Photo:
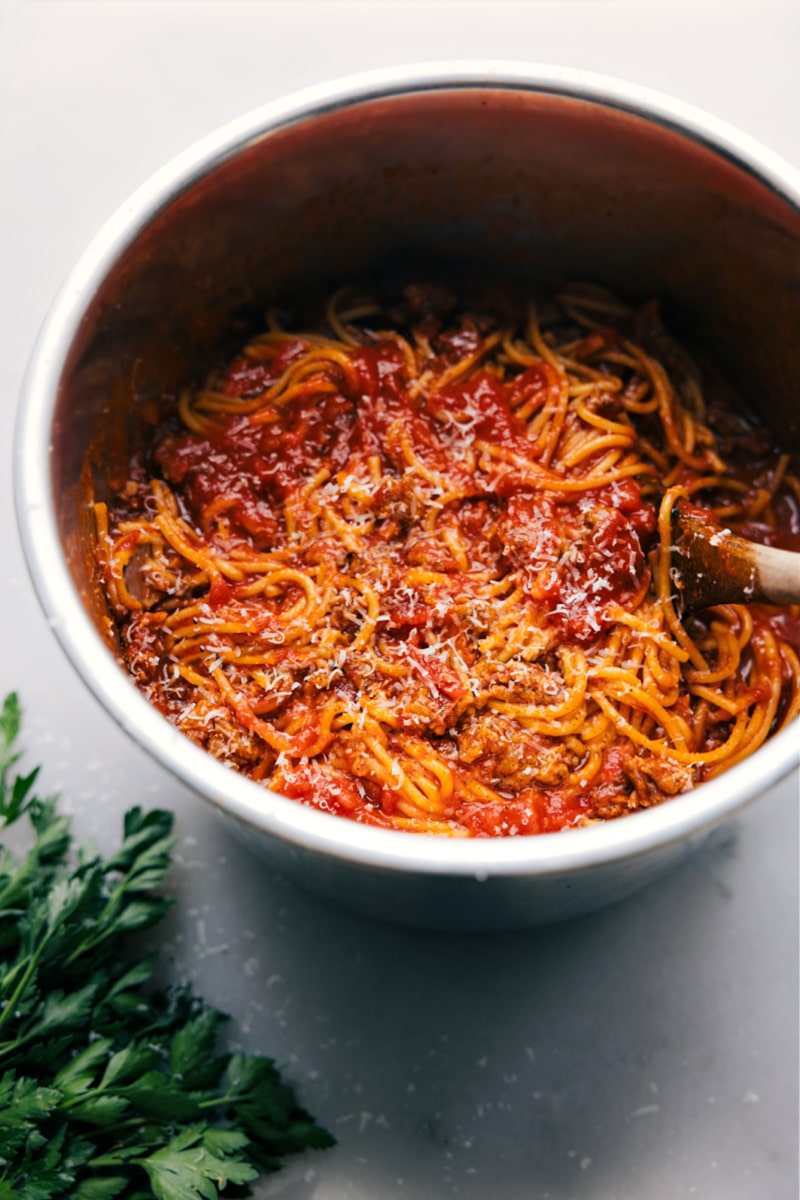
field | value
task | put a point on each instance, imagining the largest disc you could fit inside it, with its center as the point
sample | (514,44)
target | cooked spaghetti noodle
(408,569)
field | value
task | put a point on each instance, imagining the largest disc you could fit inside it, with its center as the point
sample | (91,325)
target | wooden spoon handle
(711,566)
(778,574)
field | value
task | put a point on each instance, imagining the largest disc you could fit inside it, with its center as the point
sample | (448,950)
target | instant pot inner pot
(516,184)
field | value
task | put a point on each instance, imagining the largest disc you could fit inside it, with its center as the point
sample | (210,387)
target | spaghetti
(407,569)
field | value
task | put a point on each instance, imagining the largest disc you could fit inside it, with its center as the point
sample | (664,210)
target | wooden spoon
(711,565)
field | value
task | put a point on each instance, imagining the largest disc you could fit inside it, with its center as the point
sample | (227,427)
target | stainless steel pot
(511,170)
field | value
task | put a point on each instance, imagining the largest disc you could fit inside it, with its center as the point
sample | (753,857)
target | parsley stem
(104,924)
(19,990)
(118,1158)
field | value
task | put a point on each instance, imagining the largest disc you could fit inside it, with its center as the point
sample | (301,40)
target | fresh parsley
(110,1088)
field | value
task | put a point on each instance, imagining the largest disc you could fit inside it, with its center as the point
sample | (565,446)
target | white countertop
(647,1052)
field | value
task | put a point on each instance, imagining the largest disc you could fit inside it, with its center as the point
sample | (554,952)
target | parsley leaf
(196,1161)
(110,1089)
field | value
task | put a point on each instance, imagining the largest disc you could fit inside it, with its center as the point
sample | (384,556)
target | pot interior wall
(516,184)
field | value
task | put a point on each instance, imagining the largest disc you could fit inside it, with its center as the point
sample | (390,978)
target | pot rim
(308,829)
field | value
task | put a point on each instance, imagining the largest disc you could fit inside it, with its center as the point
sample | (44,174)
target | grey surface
(647,1051)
